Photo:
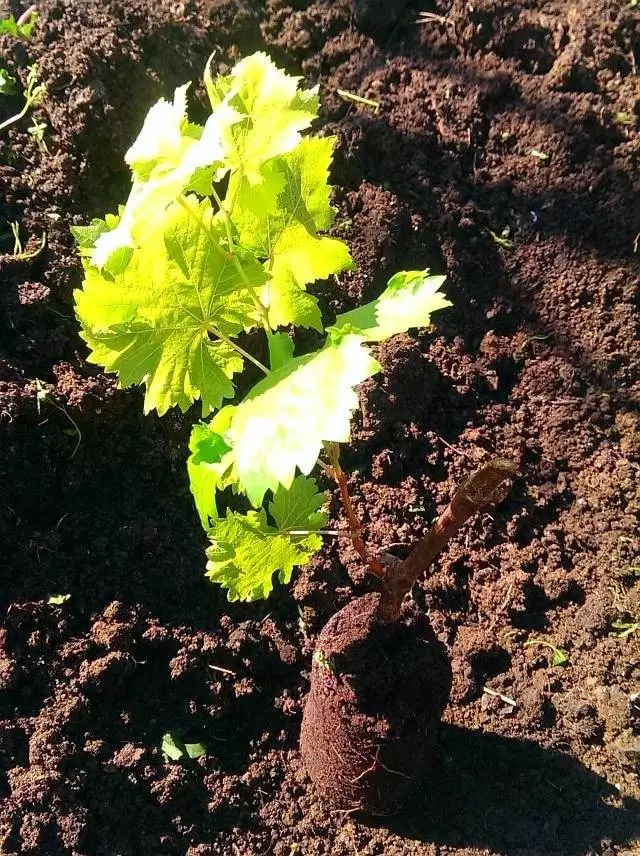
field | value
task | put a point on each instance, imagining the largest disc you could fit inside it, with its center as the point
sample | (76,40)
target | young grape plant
(222,234)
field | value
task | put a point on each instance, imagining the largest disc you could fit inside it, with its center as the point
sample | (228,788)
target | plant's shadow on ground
(511,797)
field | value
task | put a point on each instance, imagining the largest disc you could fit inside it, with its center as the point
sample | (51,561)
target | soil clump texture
(371,719)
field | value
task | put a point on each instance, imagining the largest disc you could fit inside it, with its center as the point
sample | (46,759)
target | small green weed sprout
(358,99)
(19,253)
(540,155)
(7,83)
(33,95)
(175,749)
(630,572)
(23,27)
(43,396)
(58,599)
(503,239)
(623,117)
(37,131)
(559,657)
(322,660)
(18,249)
(624,629)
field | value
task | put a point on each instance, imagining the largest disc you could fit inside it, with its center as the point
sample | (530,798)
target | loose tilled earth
(538,360)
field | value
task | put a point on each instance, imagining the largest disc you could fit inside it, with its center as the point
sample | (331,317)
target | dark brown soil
(372,715)
(537,360)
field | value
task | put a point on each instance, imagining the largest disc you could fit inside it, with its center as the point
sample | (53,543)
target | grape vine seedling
(223,232)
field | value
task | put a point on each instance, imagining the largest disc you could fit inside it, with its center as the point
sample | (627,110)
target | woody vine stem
(397,576)
(355,527)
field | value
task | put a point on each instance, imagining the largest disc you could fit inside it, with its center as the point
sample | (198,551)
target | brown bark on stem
(472,495)
(355,528)
(375,565)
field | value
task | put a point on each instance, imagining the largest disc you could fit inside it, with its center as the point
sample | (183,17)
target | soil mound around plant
(371,719)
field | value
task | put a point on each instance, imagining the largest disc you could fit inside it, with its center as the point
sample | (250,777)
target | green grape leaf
(201,182)
(164,139)
(559,657)
(280,349)
(192,238)
(86,238)
(408,301)
(210,465)
(246,550)
(283,421)
(170,156)
(287,303)
(143,215)
(153,323)
(258,114)
(299,507)
(280,224)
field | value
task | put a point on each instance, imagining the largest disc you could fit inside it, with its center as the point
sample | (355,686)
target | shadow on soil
(511,797)
(421,166)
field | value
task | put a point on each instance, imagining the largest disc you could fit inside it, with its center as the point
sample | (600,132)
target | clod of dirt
(377,16)
(372,715)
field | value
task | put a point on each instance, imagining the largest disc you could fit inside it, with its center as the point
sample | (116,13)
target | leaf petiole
(334,532)
(233,258)
(196,216)
(264,315)
(240,350)
(375,566)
